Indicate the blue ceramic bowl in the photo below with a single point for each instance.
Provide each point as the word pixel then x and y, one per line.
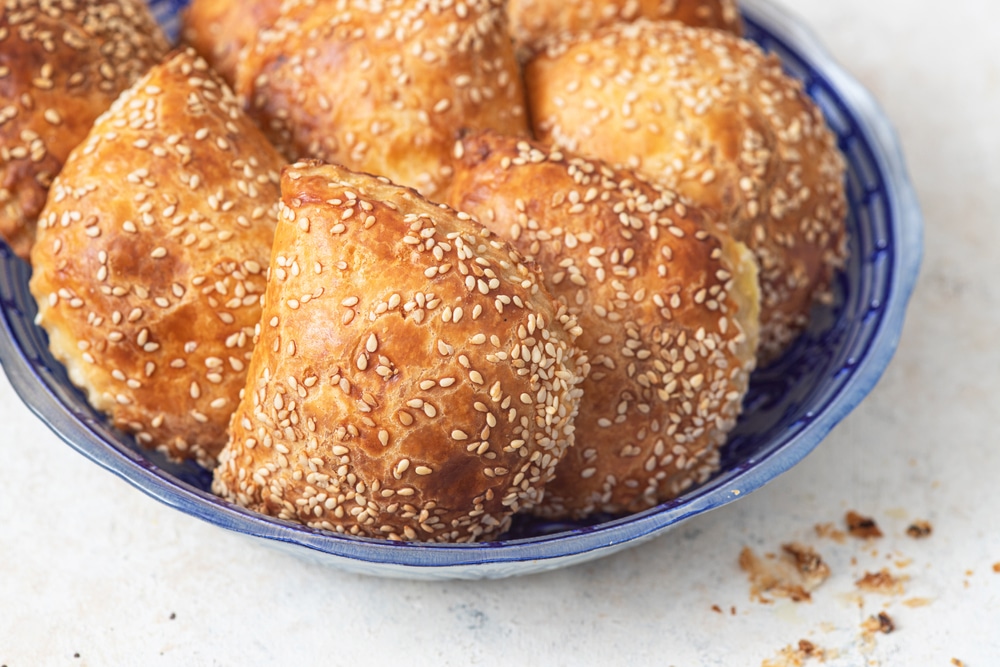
pixel 792 404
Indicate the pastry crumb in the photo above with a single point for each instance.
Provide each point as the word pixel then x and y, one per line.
pixel 809 564
pixel 717 609
pixel 830 531
pixel 807 647
pixel 794 575
pixel 913 603
pixel 881 622
pixel 791 656
pixel 957 662
pixel 882 582
pixel 996 567
pixel 862 527
pixel 873 625
pixel 919 529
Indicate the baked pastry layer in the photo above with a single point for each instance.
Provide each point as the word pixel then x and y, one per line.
pixel 61 66
pixel 413 380
pixel 533 22
pixel 151 257
pixel 709 115
pixel 668 313
pixel 220 29
pixel 384 86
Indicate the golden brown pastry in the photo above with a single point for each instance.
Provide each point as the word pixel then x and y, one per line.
pixel 532 22
pixel 152 253
pixel 412 379
pixel 61 66
pixel 219 29
pixel 384 86
pixel 668 312
pixel 709 115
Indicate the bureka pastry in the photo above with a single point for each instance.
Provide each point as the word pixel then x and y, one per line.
pixel 412 379
pixel 61 65
pixel 384 86
pixel 668 312
pixel 711 116
pixel 151 257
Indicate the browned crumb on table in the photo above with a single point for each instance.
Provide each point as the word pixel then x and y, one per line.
pixel 862 527
pixel 830 531
pixel 809 564
pixel 913 603
pixel 902 562
pixel 792 656
pixel 808 648
pixel 996 567
pixel 872 626
pixel 881 582
pixel 798 572
pixel 881 623
pixel 957 662
pixel 717 609
pixel 919 529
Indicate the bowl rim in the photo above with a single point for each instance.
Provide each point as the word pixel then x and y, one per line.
pixel 905 221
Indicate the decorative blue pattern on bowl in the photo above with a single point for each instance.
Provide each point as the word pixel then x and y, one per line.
pixel 792 404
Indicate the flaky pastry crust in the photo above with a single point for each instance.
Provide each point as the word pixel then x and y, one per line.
pixel 220 29
pixel 61 66
pixel 711 116
pixel 668 313
pixel 384 86
pixel 533 22
pixel 151 257
pixel 412 379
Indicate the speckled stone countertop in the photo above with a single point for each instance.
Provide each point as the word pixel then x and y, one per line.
pixel 93 572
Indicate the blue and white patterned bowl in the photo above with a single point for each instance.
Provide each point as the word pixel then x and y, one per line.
pixel 792 404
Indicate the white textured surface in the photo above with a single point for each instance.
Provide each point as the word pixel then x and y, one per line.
pixel 90 566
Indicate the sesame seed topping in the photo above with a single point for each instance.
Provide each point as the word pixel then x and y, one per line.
pixel 798 207
pixel 662 380
pixel 435 370
pixel 156 215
